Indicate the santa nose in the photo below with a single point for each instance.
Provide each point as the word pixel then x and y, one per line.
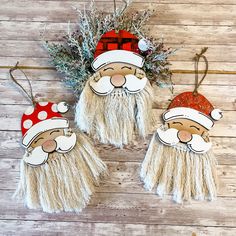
pixel 118 80
pixel 49 146
pixel 184 136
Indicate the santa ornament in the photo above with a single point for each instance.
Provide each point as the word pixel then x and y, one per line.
pixel 116 102
pixel 179 160
pixel 59 168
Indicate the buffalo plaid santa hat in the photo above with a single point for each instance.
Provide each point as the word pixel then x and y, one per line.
pixel 119 46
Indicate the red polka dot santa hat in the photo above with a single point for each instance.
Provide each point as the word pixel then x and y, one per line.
pixel 60 167
pixel 42 117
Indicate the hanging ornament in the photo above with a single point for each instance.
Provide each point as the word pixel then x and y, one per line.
pixel 59 168
pixel 179 160
pixel 117 99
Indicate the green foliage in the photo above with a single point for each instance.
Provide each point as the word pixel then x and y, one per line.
pixel 73 56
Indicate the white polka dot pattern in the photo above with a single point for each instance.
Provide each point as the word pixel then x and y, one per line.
pixel 43 104
pixel 54 108
pixel 29 111
pixel 27 124
pixel 42 115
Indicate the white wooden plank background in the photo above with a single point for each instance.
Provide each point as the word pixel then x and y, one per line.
pixel 121 206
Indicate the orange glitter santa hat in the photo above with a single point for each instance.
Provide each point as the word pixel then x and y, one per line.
pixel 196 107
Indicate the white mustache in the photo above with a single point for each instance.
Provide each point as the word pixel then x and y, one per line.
pixel 134 84
pixel 65 144
pixel 38 157
pixel 198 144
pixel 105 87
pixel 170 137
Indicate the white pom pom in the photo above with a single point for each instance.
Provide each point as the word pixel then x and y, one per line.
pixel 62 107
pixel 216 114
pixel 143 45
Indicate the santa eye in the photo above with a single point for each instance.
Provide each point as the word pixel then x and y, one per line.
pixel 176 122
pixel 54 131
pixel 37 140
pixel 109 68
pixel 126 67
pixel 193 126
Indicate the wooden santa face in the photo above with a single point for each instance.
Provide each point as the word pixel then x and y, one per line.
pixel 117 64
pixel 117 69
pixel 117 73
pixel 47 139
pixel 43 130
pixel 189 126
pixel 121 69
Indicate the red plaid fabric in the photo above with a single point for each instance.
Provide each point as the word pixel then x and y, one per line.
pixel 122 40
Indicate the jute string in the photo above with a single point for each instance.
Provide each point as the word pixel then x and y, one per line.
pixel 196 63
pixel 29 95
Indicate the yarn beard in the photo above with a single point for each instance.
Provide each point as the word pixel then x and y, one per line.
pixel 65 182
pixel 116 117
pixel 180 172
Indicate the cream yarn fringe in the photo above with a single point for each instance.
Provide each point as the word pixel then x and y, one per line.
pixel 115 118
pixel 180 172
pixel 65 182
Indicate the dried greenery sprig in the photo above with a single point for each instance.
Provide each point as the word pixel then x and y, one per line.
pixel 73 56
